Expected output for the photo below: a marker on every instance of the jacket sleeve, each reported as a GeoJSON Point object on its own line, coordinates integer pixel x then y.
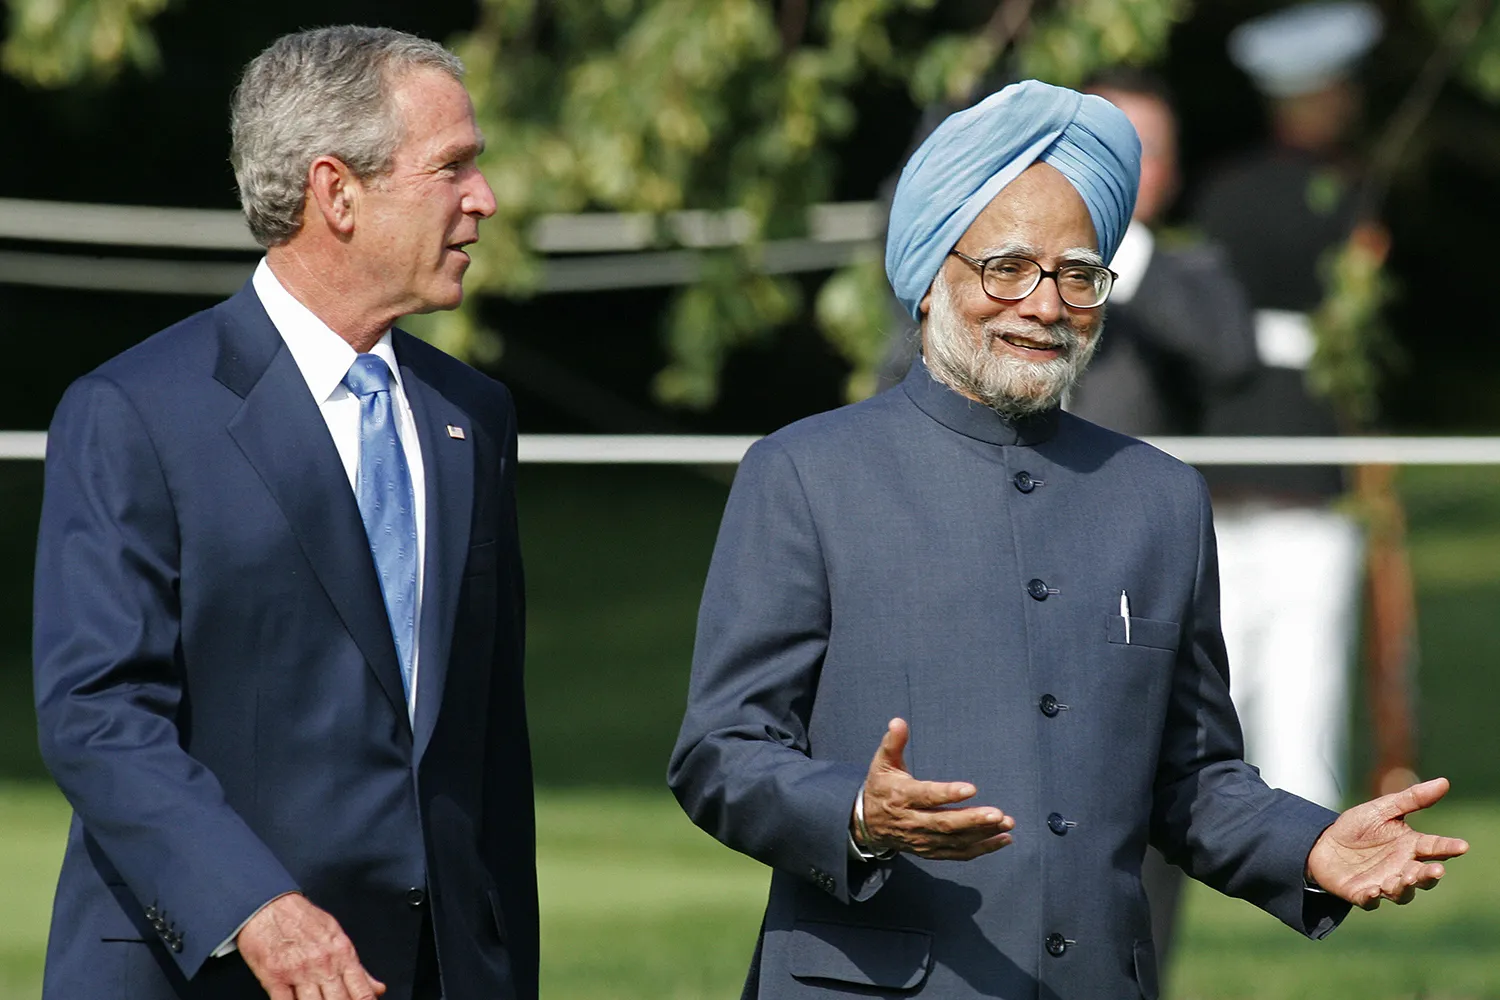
{"type": "Point", "coordinates": [742, 767]}
{"type": "Point", "coordinates": [109, 684]}
{"type": "Point", "coordinates": [1212, 813]}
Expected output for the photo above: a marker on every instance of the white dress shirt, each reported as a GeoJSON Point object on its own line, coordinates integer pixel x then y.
{"type": "Point", "coordinates": [1131, 261]}
{"type": "Point", "coordinates": [324, 358]}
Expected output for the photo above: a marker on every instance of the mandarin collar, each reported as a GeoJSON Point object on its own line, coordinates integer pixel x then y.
{"type": "Point", "coordinates": [971, 419]}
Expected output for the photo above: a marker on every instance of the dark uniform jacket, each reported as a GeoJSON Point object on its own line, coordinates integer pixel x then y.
{"type": "Point", "coordinates": [1182, 342]}
{"type": "Point", "coordinates": [1276, 213]}
{"type": "Point", "coordinates": [916, 555]}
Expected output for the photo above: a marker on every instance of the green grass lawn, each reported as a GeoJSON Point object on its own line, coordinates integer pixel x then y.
{"type": "Point", "coordinates": [639, 905]}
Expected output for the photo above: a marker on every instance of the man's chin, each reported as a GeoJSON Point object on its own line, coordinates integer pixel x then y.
{"type": "Point", "coordinates": [440, 300]}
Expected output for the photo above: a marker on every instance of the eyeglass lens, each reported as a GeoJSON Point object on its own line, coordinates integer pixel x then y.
{"type": "Point", "coordinates": [1082, 286]}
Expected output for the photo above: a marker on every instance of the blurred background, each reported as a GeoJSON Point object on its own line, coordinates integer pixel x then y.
{"type": "Point", "coordinates": [691, 207]}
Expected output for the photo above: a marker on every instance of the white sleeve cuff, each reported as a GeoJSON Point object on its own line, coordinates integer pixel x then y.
{"type": "Point", "coordinates": [231, 943]}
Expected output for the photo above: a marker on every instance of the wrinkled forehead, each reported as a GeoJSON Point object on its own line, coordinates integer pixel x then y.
{"type": "Point", "coordinates": [1040, 213]}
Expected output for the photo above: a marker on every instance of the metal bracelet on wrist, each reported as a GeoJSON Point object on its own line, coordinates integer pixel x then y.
{"type": "Point", "coordinates": [864, 831]}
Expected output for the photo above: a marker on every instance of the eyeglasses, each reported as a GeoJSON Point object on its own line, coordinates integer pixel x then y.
{"type": "Point", "coordinates": [1082, 286]}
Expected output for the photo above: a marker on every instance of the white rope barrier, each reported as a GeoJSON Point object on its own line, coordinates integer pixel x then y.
{"type": "Point", "coordinates": [688, 449]}
{"type": "Point", "coordinates": [583, 232]}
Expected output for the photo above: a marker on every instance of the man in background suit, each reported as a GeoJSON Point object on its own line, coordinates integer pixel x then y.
{"type": "Point", "coordinates": [994, 591]}
{"type": "Point", "coordinates": [278, 633]}
{"type": "Point", "coordinates": [1180, 331]}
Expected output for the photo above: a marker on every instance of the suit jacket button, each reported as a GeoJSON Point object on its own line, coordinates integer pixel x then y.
{"type": "Point", "coordinates": [1057, 824]}
{"type": "Point", "coordinates": [415, 898]}
{"type": "Point", "coordinates": [1024, 482]}
{"type": "Point", "coordinates": [1049, 706]}
{"type": "Point", "coordinates": [1056, 945]}
{"type": "Point", "coordinates": [1037, 589]}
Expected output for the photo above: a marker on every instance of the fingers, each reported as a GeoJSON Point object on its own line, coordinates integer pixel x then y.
{"type": "Point", "coordinates": [951, 834]}
{"type": "Point", "coordinates": [914, 794]}
{"type": "Point", "coordinates": [1401, 887]}
{"type": "Point", "coordinates": [359, 984]}
{"type": "Point", "coordinates": [1430, 847]}
{"type": "Point", "coordinates": [1414, 797]}
{"type": "Point", "coordinates": [889, 756]}
{"type": "Point", "coordinates": [988, 845]}
{"type": "Point", "coordinates": [986, 819]}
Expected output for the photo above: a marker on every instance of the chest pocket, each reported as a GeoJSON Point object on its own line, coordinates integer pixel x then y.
{"type": "Point", "coordinates": [1147, 632]}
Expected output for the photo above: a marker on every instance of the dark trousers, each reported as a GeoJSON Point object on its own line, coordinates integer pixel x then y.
{"type": "Point", "coordinates": [427, 984]}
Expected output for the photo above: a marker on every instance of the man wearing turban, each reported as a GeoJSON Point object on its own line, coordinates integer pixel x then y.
{"type": "Point", "coordinates": [989, 591]}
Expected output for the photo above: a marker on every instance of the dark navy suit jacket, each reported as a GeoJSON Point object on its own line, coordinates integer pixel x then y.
{"type": "Point", "coordinates": [915, 555]}
{"type": "Point", "coordinates": [217, 686]}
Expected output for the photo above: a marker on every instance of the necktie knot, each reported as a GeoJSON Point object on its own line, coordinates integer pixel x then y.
{"type": "Point", "coordinates": [368, 375]}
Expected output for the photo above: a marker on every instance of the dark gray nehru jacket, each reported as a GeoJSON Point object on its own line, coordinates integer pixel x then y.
{"type": "Point", "coordinates": [916, 555]}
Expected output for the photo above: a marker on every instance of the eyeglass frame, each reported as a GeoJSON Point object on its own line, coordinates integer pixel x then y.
{"type": "Point", "coordinates": [982, 266]}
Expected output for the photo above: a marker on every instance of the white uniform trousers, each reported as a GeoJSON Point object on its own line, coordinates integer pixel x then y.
{"type": "Point", "coordinates": [1290, 579]}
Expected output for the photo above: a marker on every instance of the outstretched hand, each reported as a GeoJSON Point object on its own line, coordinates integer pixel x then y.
{"type": "Point", "coordinates": [902, 813]}
{"type": "Point", "coordinates": [1370, 854]}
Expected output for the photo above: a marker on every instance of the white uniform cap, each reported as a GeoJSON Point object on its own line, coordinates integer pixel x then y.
{"type": "Point", "coordinates": [1303, 49]}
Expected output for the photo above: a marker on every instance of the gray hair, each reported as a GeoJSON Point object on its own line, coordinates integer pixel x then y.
{"type": "Point", "coordinates": [324, 92]}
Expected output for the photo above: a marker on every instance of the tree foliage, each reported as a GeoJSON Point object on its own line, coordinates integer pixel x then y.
{"type": "Point", "coordinates": [656, 106]}
{"type": "Point", "coordinates": [56, 43]}
{"type": "Point", "coordinates": [736, 109]}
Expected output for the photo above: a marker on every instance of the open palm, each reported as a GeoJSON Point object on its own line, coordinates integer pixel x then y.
{"type": "Point", "coordinates": [1370, 854]}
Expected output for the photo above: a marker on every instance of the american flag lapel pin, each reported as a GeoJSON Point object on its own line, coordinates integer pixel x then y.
{"type": "Point", "coordinates": [455, 432]}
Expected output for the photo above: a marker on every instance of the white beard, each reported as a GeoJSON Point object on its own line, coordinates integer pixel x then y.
{"type": "Point", "coordinates": [1009, 385]}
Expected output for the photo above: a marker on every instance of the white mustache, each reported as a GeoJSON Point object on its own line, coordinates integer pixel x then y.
{"type": "Point", "coordinates": [1059, 336]}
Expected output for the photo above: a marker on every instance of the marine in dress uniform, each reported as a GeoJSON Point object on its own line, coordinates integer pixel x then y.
{"type": "Point", "coordinates": [1290, 562]}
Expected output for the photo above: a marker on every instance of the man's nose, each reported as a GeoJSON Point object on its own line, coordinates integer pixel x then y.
{"type": "Point", "coordinates": [1044, 304]}
{"type": "Point", "coordinates": [479, 198]}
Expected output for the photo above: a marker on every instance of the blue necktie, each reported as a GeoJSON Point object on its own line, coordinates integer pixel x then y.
{"type": "Point", "coordinates": [386, 503]}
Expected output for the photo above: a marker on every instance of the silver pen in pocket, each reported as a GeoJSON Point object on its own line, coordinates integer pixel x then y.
{"type": "Point", "coordinates": [1125, 614]}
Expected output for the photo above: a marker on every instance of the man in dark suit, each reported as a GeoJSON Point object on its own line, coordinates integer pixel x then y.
{"type": "Point", "coordinates": [1180, 332]}
{"type": "Point", "coordinates": [994, 591]}
{"type": "Point", "coordinates": [278, 634]}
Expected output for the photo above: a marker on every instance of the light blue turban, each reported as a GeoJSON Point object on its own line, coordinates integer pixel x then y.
{"type": "Point", "coordinates": [974, 153]}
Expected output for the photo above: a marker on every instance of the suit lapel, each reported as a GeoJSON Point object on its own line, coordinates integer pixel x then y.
{"type": "Point", "coordinates": [284, 437]}
{"type": "Point", "coordinates": [448, 464]}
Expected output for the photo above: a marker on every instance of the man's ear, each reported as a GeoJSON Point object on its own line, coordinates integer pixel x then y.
{"type": "Point", "coordinates": [333, 194]}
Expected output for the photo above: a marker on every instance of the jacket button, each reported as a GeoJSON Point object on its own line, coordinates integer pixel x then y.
{"type": "Point", "coordinates": [1057, 824]}
{"type": "Point", "coordinates": [415, 898]}
{"type": "Point", "coordinates": [1024, 482]}
{"type": "Point", "coordinates": [1037, 589]}
{"type": "Point", "coordinates": [1056, 945]}
{"type": "Point", "coordinates": [1049, 706]}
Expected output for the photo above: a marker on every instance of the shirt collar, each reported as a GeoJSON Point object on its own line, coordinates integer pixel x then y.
{"type": "Point", "coordinates": [1131, 261]}
{"type": "Point", "coordinates": [322, 356]}
{"type": "Point", "coordinates": [972, 419]}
